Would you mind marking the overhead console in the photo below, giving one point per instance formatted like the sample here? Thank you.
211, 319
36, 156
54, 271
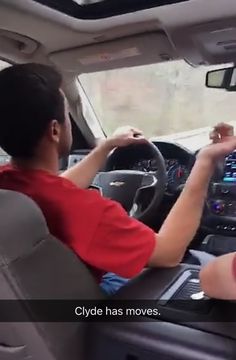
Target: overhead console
188, 324
208, 43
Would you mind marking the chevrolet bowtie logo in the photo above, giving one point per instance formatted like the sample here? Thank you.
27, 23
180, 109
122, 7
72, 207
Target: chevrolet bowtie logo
117, 183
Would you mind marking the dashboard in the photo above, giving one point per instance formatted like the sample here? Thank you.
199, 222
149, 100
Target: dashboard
177, 173
178, 161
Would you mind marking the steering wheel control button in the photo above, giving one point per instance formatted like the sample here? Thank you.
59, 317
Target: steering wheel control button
133, 210
219, 189
228, 228
218, 207
148, 180
225, 191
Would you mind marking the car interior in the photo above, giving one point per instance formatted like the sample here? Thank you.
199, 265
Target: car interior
116, 43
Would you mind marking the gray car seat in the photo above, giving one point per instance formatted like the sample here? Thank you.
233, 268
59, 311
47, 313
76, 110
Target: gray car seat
35, 265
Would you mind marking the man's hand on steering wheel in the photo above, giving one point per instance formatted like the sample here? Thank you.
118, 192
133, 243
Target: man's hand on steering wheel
124, 136
83, 173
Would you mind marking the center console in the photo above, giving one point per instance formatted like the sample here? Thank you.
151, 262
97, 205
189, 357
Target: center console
218, 245
189, 325
221, 207
220, 212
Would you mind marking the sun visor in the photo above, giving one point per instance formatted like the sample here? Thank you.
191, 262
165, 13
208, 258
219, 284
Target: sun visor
131, 51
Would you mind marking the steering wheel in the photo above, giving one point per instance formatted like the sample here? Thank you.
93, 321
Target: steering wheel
139, 192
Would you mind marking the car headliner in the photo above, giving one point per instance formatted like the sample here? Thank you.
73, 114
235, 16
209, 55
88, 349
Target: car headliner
54, 31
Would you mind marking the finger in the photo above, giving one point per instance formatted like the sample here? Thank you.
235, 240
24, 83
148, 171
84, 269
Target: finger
128, 128
137, 140
137, 136
214, 136
220, 124
224, 129
136, 131
223, 124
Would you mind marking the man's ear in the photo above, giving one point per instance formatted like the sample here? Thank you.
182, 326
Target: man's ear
55, 131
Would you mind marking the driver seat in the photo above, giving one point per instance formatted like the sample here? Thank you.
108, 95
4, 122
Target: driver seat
35, 265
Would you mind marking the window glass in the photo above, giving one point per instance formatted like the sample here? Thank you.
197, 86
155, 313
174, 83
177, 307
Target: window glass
165, 99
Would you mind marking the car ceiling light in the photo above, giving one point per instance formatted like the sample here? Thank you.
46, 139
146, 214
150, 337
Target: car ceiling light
86, 2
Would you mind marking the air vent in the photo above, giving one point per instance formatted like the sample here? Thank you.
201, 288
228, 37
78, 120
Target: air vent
230, 47
217, 42
226, 42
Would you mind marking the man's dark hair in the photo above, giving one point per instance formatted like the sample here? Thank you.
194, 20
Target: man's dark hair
30, 99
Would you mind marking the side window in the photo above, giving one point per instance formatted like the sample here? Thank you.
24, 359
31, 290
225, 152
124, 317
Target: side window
3, 156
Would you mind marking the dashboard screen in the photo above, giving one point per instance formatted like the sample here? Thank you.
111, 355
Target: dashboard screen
230, 168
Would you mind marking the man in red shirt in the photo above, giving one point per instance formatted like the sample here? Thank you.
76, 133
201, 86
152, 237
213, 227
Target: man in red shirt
35, 131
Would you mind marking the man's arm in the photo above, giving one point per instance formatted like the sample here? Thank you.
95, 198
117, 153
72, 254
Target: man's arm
183, 220
83, 173
218, 278
181, 224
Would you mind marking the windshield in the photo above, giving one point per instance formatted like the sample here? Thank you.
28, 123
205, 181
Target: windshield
167, 100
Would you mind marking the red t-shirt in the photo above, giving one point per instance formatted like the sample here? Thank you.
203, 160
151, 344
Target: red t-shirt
95, 228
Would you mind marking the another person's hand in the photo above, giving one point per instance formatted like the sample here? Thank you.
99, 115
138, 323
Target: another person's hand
218, 277
125, 136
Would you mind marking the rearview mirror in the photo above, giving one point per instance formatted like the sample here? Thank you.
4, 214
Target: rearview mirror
222, 79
